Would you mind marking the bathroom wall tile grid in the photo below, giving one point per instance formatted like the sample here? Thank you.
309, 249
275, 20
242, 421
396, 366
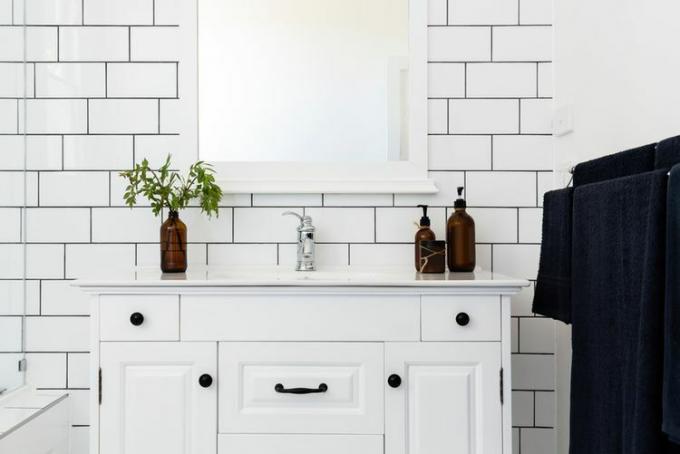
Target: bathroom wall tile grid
103, 90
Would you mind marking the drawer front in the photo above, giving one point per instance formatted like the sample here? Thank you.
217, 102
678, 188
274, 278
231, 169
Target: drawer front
300, 444
258, 384
301, 318
461, 318
159, 319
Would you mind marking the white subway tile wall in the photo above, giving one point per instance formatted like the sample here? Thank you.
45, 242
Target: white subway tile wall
489, 125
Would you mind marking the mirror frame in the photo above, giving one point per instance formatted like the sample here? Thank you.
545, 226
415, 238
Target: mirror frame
409, 176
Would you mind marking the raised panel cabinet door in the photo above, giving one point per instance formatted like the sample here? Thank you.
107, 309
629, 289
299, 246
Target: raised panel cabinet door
158, 397
448, 399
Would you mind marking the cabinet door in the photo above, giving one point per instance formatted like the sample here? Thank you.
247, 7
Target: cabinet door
152, 400
448, 401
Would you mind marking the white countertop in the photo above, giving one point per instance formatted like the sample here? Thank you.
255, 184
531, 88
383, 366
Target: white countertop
21, 405
285, 276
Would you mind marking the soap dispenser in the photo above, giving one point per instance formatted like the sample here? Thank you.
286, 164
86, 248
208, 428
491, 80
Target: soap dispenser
460, 237
424, 233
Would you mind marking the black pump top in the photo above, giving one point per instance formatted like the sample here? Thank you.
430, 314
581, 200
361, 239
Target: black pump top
460, 201
424, 221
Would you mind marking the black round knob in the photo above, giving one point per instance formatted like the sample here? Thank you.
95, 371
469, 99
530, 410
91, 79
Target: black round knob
394, 380
205, 380
462, 319
136, 319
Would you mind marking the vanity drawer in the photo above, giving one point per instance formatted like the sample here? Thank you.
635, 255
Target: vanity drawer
300, 444
300, 317
461, 318
156, 317
265, 388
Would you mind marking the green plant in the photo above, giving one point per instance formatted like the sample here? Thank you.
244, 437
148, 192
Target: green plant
166, 188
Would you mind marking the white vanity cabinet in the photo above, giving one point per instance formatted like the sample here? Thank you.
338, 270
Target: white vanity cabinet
292, 364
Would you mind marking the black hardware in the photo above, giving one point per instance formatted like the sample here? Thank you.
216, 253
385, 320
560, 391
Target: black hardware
100, 386
136, 318
501, 384
205, 380
394, 380
279, 388
462, 319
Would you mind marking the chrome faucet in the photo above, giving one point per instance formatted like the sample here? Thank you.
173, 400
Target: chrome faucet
305, 247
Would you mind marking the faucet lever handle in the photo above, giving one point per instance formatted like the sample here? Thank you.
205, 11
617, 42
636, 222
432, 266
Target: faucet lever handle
293, 213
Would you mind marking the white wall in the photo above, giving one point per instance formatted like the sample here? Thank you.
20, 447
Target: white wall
490, 90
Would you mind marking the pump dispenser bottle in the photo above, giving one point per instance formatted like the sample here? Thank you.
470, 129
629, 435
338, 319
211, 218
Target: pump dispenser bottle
423, 234
460, 237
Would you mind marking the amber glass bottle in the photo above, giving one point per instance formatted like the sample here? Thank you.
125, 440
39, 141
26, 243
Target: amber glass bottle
173, 244
460, 238
424, 233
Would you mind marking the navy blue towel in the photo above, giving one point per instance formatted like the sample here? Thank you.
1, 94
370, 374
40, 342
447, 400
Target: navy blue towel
668, 153
552, 296
617, 316
617, 165
671, 376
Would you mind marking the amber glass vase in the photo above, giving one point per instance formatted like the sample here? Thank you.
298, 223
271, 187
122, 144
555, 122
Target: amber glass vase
173, 244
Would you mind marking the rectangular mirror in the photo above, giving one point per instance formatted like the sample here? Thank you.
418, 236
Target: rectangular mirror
314, 95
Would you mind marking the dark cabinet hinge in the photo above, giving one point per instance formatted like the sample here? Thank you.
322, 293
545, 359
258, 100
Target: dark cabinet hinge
501, 383
100, 386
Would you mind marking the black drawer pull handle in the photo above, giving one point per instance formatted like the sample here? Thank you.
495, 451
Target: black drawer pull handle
462, 319
136, 319
280, 389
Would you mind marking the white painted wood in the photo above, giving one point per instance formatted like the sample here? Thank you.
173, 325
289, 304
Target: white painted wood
449, 400
151, 400
46, 432
506, 364
439, 318
332, 317
353, 373
300, 444
161, 318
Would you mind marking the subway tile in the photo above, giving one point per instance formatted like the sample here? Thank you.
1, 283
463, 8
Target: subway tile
41, 44
55, 116
67, 189
57, 225
501, 189
83, 260
168, 12
70, 80
80, 409
515, 440
265, 225
398, 225
447, 184
523, 408
236, 200
142, 80
482, 12
459, 44
483, 116
514, 335
533, 372
12, 44
518, 260
93, 44
536, 116
521, 302
10, 228
78, 370
149, 255
57, 334
123, 116
537, 441
62, 298
98, 152
459, 153
10, 327
483, 256
9, 116
32, 294
16, 80
44, 261
286, 200
522, 153
12, 147
538, 335
5, 12
545, 182
436, 12
530, 224
446, 80
11, 267
501, 80
155, 43
157, 148
536, 12
526, 43
381, 254
125, 225
46, 370
120, 12
437, 114
173, 116
201, 228
80, 440
12, 293
43, 152
545, 409
12, 189
242, 254
48, 12
8, 370
343, 225
358, 200
494, 225
326, 255
545, 80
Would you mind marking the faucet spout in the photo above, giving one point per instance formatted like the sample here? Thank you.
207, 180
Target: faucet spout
306, 246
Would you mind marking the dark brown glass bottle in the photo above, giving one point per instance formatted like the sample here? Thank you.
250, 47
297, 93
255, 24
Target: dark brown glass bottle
460, 238
173, 244
423, 234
